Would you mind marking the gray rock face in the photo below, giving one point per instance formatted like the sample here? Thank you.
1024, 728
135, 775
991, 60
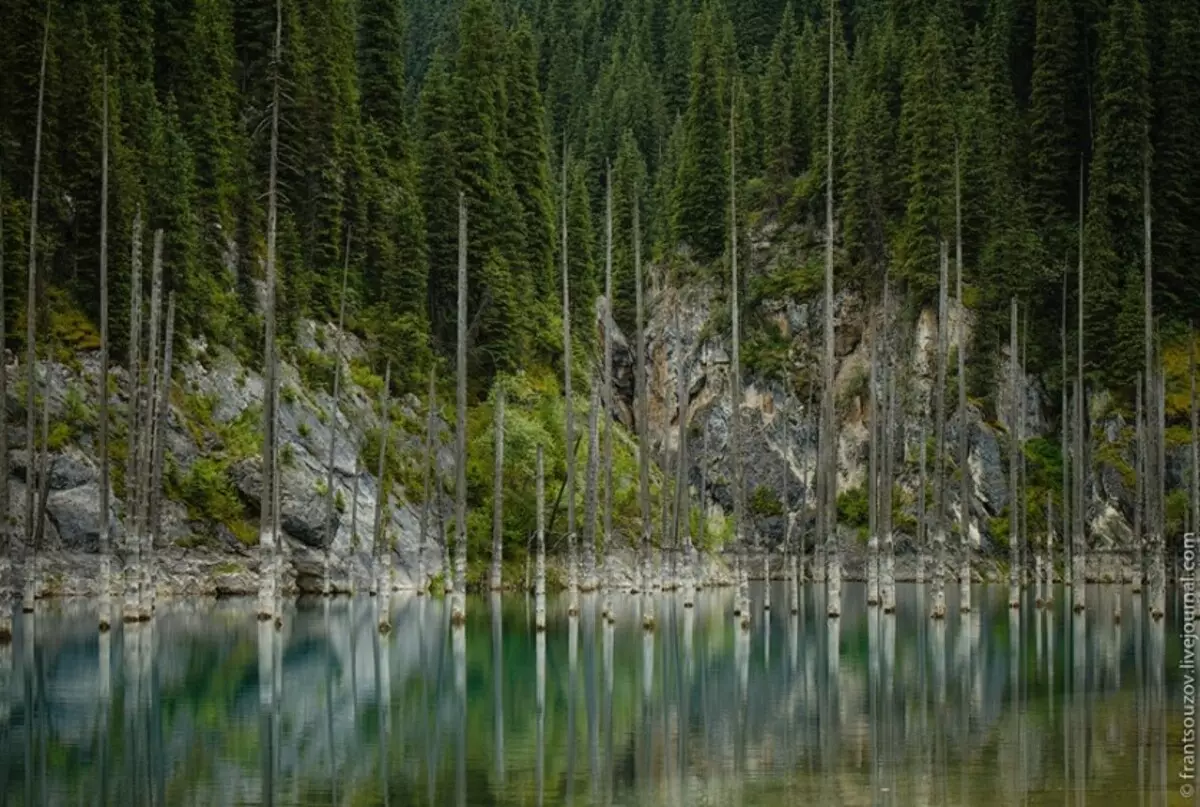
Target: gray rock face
75, 514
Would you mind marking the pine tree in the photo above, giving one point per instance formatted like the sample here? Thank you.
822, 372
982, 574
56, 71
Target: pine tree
629, 188
439, 196
776, 102
700, 190
581, 259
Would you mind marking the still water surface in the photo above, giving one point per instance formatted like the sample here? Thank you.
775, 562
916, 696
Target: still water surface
206, 707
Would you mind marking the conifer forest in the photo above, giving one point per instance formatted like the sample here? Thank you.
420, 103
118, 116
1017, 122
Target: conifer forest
867, 324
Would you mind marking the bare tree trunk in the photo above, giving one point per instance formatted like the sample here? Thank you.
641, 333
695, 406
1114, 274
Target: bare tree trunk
1065, 429
609, 324
1014, 447
829, 438
539, 585
7, 577
922, 519
267, 538
380, 555
1194, 482
572, 559
1140, 491
683, 521
1159, 575
1046, 560
1025, 544
1155, 404
742, 604
964, 472
591, 479
30, 568
422, 579
642, 416
497, 581
888, 564
791, 567
458, 606
666, 556
331, 518
874, 497
939, 531
133, 542
161, 419
702, 533
1079, 461
147, 445
806, 488
105, 616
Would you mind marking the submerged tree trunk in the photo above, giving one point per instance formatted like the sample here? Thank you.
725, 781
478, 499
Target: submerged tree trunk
458, 603
497, 582
7, 568
539, 585
888, 562
1079, 461
683, 521
964, 473
267, 537
939, 530
572, 559
643, 414
922, 516
742, 604
30, 567
874, 496
331, 518
1194, 481
1139, 497
829, 451
609, 324
161, 418
1154, 434
133, 543
148, 443
1014, 447
1065, 430
1045, 572
591, 492
431, 406
105, 615
380, 556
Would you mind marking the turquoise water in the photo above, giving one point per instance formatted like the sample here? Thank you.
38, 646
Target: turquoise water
204, 706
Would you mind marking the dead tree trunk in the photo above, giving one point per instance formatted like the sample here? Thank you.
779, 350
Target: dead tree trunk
105, 519
331, 518
1154, 520
162, 415
591, 476
497, 581
964, 475
742, 604
147, 444
572, 559
683, 521
458, 606
1014, 440
939, 396
1065, 430
379, 576
1140, 491
133, 542
381, 550
829, 452
643, 415
1194, 482
1078, 461
609, 324
7, 577
267, 537
422, 581
873, 499
922, 516
539, 585
889, 555
30, 570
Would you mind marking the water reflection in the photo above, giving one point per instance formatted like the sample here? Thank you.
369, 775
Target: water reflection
204, 705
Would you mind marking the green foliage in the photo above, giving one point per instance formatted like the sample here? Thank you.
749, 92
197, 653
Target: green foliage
210, 495
764, 502
852, 507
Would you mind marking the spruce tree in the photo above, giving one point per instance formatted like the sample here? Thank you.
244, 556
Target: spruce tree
437, 179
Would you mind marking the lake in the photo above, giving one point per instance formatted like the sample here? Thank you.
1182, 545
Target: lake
205, 706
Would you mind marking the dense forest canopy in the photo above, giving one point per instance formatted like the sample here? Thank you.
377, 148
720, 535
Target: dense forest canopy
390, 108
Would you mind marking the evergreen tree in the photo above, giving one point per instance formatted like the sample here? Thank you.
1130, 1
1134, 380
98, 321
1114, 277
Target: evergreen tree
776, 102
700, 185
438, 172
630, 185
581, 259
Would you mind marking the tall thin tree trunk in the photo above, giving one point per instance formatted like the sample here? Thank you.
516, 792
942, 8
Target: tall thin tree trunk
591, 476
267, 537
7, 569
789, 514
422, 580
1025, 543
702, 505
147, 444
807, 487
742, 604
964, 473
1078, 461
664, 500
683, 521
609, 324
380, 556
30, 569
834, 587
105, 616
162, 417
331, 518
1140, 490
539, 585
643, 415
572, 559
458, 606
133, 542
1065, 430
922, 516
873, 499
497, 580
1014, 447
1046, 560
1155, 404
889, 553
939, 396
1194, 481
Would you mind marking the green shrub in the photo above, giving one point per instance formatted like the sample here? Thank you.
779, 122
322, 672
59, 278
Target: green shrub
210, 495
853, 507
764, 502
316, 370
305, 431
